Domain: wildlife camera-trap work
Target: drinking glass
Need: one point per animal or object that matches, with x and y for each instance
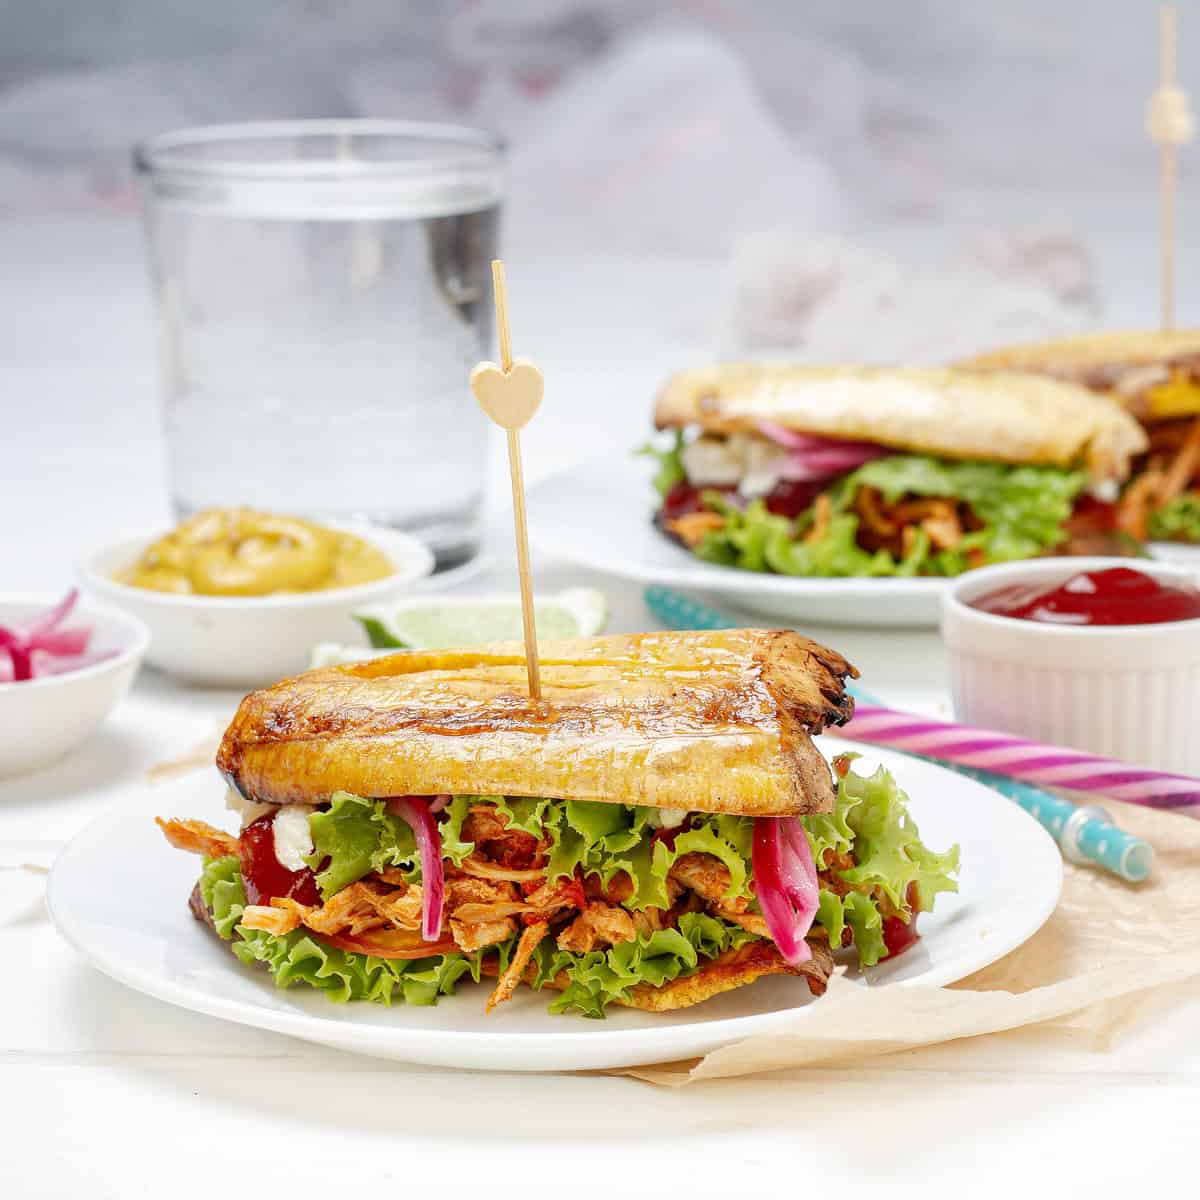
(323, 291)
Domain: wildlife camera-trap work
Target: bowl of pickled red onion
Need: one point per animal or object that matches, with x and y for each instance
(64, 666)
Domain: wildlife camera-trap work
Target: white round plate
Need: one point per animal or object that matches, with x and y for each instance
(118, 893)
(599, 515)
(1179, 554)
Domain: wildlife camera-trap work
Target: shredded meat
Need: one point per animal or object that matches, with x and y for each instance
(468, 890)
(893, 527)
(468, 937)
(488, 829)
(482, 869)
(822, 515)
(489, 900)
(752, 922)
(483, 824)
(563, 893)
(198, 837)
(1166, 437)
(272, 919)
(707, 876)
(402, 908)
(1137, 501)
(598, 924)
(1183, 467)
(943, 527)
(616, 891)
(365, 905)
(526, 945)
(477, 913)
(392, 875)
(649, 920)
(692, 528)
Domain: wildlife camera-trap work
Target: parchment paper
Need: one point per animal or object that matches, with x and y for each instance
(202, 754)
(1107, 949)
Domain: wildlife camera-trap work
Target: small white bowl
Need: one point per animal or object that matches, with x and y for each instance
(1124, 691)
(248, 641)
(42, 719)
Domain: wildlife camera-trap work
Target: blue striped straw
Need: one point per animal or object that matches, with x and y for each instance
(1085, 833)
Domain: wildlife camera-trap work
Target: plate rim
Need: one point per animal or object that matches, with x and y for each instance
(625, 1046)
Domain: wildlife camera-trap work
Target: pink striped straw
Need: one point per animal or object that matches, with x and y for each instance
(1019, 758)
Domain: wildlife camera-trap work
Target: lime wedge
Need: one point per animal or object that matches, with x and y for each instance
(428, 623)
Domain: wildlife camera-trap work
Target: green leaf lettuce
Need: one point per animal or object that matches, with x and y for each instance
(1178, 520)
(355, 836)
(1022, 510)
(670, 463)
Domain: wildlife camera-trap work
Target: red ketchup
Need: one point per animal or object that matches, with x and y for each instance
(899, 935)
(264, 875)
(684, 498)
(1115, 596)
(788, 498)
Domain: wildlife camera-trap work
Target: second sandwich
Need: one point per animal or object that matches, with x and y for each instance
(874, 471)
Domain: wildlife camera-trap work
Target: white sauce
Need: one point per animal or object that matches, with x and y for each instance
(711, 462)
(667, 818)
(751, 463)
(293, 838)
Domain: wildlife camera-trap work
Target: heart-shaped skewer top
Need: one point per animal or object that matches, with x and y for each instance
(509, 397)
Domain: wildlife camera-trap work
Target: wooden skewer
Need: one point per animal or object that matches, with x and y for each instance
(1170, 124)
(510, 394)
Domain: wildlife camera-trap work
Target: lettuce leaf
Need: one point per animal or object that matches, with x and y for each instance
(297, 957)
(757, 540)
(1022, 510)
(607, 839)
(222, 892)
(600, 977)
(355, 836)
(670, 463)
(596, 979)
(1178, 520)
(888, 850)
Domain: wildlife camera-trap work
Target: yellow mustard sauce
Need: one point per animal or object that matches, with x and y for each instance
(241, 552)
(1178, 397)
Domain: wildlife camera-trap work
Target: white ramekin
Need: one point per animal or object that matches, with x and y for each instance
(45, 718)
(249, 641)
(1125, 691)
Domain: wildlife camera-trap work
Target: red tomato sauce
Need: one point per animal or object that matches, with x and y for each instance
(264, 876)
(1116, 596)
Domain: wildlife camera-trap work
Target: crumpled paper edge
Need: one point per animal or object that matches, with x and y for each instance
(838, 1033)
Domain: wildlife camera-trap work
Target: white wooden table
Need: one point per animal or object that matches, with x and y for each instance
(105, 1093)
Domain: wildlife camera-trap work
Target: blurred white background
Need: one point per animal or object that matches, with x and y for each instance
(872, 181)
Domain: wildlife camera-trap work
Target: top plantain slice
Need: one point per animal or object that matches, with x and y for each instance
(704, 721)
(949, 413)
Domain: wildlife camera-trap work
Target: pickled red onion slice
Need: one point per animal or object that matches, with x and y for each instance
(44, 636)
(785, 882)
(54, 618)
(812, 457)
(417, 812)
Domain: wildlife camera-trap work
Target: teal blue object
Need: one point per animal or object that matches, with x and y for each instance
(1081, 835)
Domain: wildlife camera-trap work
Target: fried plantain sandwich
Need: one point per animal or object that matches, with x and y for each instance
(875, 471)
(658, 829)
(1156, 376)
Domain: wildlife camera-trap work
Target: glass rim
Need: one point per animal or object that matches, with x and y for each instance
(167, 153)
